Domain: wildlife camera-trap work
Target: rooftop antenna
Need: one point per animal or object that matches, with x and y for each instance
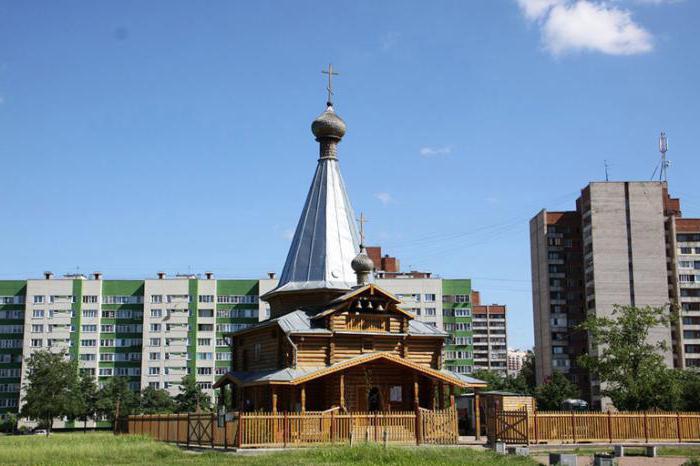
(663, 148)
(664, 164)
(605, 163)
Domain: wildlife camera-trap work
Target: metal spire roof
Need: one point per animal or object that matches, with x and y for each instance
(326, 240)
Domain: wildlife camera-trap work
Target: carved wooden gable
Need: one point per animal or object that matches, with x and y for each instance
(366, 309)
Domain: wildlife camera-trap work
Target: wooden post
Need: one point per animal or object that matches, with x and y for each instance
(284, 430)
(537, 433)
(376, 426)
(240, 430)
(418, 426)
(646, 428)
(610, 432)
(416, 394)
(212, 425)
(332, 427)
(678, 427)
(342, 392)
(273, 391)
(225, 433)
(477, 415)
(303, 398)
(573, 425)
(188, 429)
(527, 426)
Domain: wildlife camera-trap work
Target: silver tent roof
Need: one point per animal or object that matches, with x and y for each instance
(326, 239)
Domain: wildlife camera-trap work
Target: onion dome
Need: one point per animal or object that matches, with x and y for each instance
(328, 125)
(362, 265)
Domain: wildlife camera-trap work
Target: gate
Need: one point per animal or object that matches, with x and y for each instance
(200, 429)
(509, 427)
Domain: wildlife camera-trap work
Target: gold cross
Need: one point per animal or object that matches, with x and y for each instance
(330, 74)
(362, 220)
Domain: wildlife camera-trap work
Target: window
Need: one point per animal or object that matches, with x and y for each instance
(36, 343)
(107, 357)
(429, 297)
(108, 314)
(154, 371)
(155, 385)
(683, 251)
(107, 328)
(155, 327)
(37, 328)
(89, 328)
(367, 346)
(106, 371)
(206, 298)
(204, 371)
(90, 313)
(257, 351)
(204, 356)
(88, 342)
(156, 298)
(39, 299)
(107, 342)
(430, 312)
(395, 394)
(37, 313)
(205, 327)
(154, 342)
(154, 356)
(156, 313)
(206, 313)
(204, 341)
(90, 299)
(462, 298)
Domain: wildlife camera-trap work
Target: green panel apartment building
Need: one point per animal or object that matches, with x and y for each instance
(155, 331)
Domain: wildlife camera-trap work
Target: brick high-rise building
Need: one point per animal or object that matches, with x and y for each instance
(625, 244)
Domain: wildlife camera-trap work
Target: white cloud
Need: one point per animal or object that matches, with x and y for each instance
(586, 25)
(536, 9)
(433, 151)
(384, 198)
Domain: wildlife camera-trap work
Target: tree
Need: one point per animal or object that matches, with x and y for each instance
(551, 395)
(50, 387)
(628, 365)
(9, 425)
(86, 398)
(498, 382)
(156, 401)
(527, 372)
(115, 392)
(191, 396)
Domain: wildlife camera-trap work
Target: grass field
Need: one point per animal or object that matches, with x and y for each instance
(104, 448)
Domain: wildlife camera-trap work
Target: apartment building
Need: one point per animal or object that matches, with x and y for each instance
(516, 358)
(625, 244)
(151, 331)
(490, 338)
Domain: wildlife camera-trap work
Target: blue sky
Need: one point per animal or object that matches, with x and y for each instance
(146, 136)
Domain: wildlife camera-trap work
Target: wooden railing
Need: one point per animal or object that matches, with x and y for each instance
(266, 429)
(521, 427)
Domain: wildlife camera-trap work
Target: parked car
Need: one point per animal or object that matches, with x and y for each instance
(39, 432)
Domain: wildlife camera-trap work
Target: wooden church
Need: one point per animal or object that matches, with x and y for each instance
(334, 339)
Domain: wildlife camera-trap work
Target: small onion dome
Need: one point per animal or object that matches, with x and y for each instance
(328, 125)
(362, 264)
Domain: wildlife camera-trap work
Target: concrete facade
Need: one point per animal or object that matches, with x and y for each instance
(613, 250)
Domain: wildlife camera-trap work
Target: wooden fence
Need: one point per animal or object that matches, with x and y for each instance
(521, 427)
(266, 429)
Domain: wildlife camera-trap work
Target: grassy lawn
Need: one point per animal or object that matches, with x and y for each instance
(104, 448)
